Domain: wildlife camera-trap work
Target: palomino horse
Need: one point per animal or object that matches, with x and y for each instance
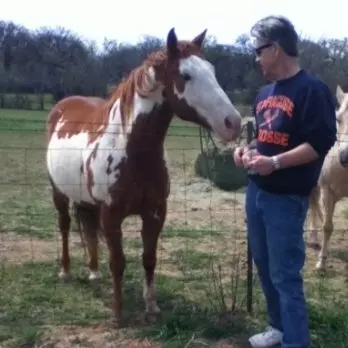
(332, 183)
(108, 156)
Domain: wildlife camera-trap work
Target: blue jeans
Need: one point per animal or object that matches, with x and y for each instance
(275, 232)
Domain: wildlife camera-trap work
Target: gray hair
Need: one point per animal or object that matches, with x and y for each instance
(277, 29)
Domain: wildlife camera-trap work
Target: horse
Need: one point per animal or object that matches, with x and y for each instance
(332, 184)
(107, 156)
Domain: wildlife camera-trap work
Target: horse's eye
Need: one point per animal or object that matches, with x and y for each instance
(186, 77)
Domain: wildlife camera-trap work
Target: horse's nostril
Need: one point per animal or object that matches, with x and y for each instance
(228, 123)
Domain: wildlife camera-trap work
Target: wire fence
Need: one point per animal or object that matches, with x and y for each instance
(204, 262)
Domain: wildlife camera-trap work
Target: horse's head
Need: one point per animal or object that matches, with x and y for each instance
(342, 125)
(342, 113)
(192, 90)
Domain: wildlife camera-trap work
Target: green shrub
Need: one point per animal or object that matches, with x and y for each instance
(219, 167)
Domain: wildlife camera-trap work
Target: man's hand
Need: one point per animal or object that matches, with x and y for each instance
(238, 156)
(246, 158)
(262, 165)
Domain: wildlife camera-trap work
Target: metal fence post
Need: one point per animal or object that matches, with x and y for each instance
(250, 135)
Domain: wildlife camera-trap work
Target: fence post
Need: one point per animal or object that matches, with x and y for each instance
(250, 135)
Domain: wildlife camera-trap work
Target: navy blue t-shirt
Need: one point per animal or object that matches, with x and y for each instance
(288, 113)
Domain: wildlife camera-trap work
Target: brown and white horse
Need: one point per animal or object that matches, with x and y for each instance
(108, 157)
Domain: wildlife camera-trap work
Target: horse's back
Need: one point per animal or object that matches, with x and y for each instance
(67, 143)
(75, 110)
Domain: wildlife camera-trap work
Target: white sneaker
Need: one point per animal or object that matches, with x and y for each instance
(266, 339)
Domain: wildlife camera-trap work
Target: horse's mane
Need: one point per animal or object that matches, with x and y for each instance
(138, 81)
(342, 128)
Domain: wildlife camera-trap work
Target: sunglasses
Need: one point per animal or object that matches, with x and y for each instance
(259, 50)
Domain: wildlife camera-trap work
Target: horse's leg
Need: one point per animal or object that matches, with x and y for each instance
(314, 217)
(92, 244)
(77, 219)
(111, 224)
(153, 221)
(61, 203)
(89, 218)
(329, 207)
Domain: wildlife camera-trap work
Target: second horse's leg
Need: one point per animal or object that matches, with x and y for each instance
(89, 217)
(61, 202)
(113, 234)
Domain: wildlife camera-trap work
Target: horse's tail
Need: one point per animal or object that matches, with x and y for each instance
(315, 213)
(88, 216)
(76, 216)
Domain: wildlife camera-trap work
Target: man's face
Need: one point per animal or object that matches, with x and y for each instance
(266, 56)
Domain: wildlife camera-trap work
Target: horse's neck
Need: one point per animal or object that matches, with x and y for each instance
(149, 129)
(342, 135)
(145, 129)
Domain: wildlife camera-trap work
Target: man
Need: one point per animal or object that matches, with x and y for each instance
(295, 128)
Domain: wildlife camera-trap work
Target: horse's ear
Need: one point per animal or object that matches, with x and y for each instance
(199, 39)
(172, 44)
(339, 94)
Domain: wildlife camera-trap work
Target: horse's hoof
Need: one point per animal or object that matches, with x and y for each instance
(152, 308)
(94, 276)
(320, 267)
(321, 272)
(314, 245)
(117, 323)
(64, 276)
(152, 317)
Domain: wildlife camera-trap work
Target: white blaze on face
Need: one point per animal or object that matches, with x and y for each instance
(203, 93)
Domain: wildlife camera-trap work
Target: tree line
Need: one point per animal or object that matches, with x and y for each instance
(59, 62)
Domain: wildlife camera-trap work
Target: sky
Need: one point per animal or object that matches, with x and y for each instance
(129, 20)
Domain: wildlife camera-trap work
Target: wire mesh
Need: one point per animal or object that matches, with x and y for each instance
(203, 267)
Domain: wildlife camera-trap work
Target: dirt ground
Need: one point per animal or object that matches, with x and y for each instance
(101, 337)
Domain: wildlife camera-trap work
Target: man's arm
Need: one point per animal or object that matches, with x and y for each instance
(301, 154)
(318, 128)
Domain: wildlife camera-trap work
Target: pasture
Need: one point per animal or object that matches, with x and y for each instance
(201, 261)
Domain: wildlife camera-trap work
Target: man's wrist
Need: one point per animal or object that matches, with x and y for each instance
(276, 163)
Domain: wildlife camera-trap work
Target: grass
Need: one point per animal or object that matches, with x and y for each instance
(35, 301)
(328, 314)
(26, 100)
(23, 178)
(201, 267)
